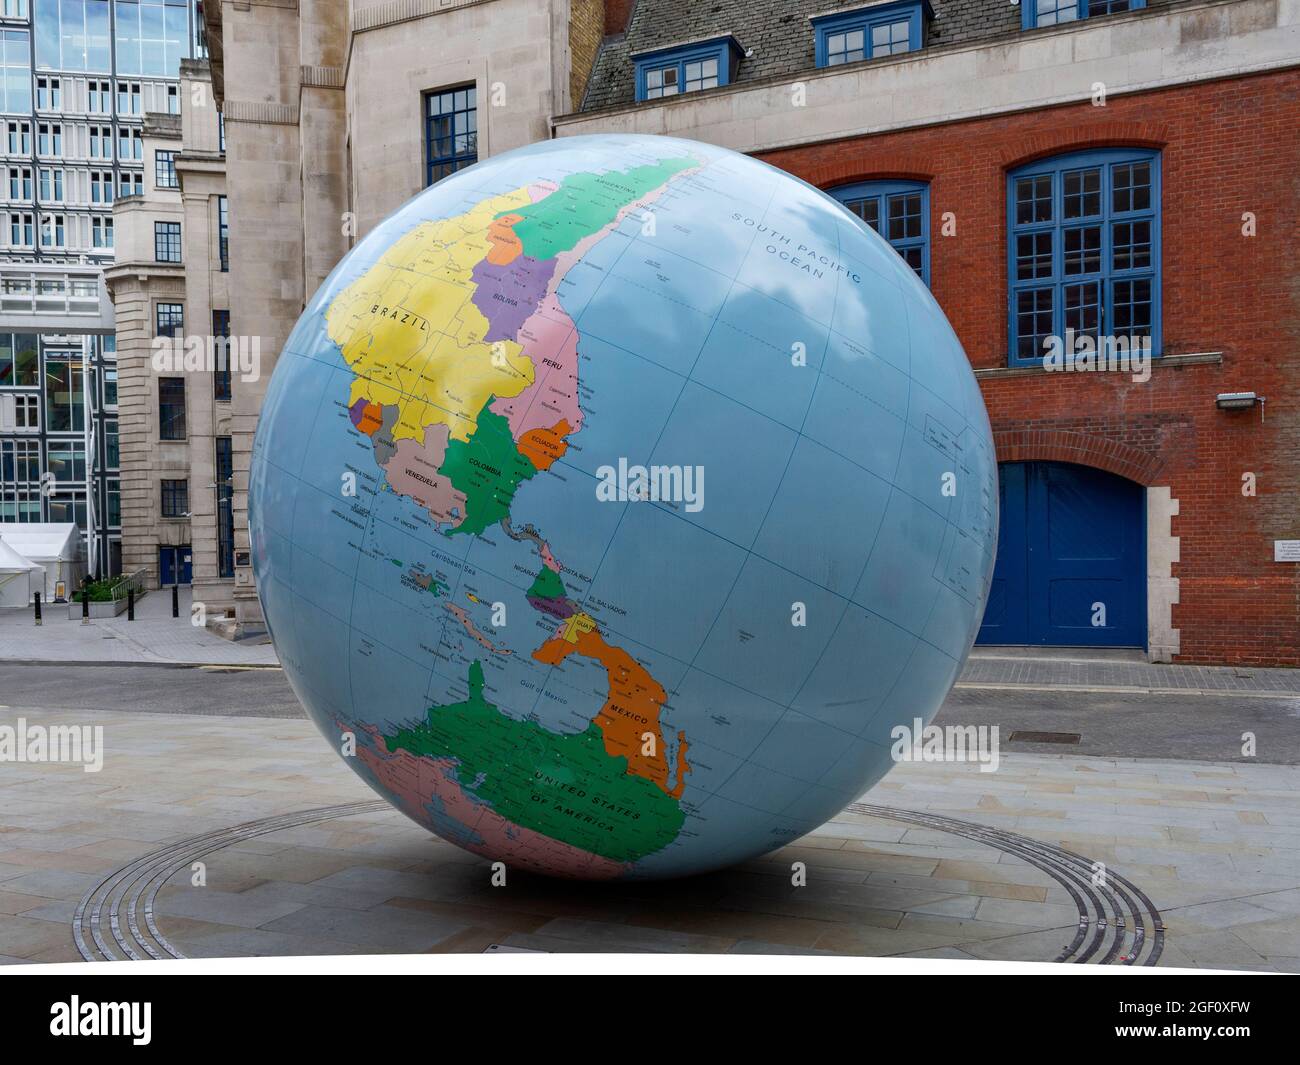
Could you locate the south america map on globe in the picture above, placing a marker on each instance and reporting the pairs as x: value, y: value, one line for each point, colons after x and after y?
x: 510, y: 653
x: 467, y: 364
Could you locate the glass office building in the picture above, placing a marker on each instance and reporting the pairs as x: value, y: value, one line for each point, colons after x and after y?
x: 76, y: 79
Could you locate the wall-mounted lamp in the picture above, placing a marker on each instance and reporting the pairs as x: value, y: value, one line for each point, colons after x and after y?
x: 1240, y: 401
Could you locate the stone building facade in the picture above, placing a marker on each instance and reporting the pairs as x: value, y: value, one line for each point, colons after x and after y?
x: 176, y: 381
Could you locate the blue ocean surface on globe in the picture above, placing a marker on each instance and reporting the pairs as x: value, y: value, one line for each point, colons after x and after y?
x: 613, y: 501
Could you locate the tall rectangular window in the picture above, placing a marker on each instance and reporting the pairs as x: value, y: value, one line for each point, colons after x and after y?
x: 131, y: 184
x: 112, y: 450
x: 101, y: 142
x: 99, y: 97
x: 21, y: 230
x: 101, y: 232
x: 15, y: 72
x: 171, y: 408
x: 1084, y: 259
x: 20, y: 480
x: 27, y: 412
x: 20, y: 138
x: 49, y: 138
x: 450, y: 131
x: 225, y: 508
x: 128, y: 97
x: 113, y: 494
x: 164, y: 170
x: 20, y: 183
x: 130, y: 143
x: 175, y: 498
x: 169, y: 320
x: 20, y: 364
x: 49, y: 94
x: 51, y: 185
x: 52, y: 231
x: 167, y: 242
x: 223, y: 232
x: 101, y: 186
x: 64, y: 402
x: 220, y: 343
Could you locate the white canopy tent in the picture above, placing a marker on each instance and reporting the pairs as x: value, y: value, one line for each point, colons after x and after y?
x: 56, y: 547
x: 19, y: 577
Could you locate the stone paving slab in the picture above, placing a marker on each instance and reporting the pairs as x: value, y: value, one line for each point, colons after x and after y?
x: 1220, y: 860
x: 153, y: 637
x: 992, y: 666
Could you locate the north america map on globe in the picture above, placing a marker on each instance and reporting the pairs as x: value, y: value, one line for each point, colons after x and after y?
x: 602, y: 684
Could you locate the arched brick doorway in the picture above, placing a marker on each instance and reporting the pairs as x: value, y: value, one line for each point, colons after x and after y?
x: 1071, y: 566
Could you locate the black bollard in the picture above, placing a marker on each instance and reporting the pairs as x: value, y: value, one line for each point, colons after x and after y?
x: 37, y: 601
x: 176, y: 600
x: 85, y: 601
x: 130, y: 603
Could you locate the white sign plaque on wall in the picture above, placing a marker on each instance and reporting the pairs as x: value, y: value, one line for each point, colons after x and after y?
x: 1286, y: 550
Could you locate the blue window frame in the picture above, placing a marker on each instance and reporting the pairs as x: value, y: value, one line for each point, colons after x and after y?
x: 1053, y: 12
x: 899, y: 211
x: 870, y: 32
x: 450, y: 131
x: 686, y: 68
x: 1083, y: 249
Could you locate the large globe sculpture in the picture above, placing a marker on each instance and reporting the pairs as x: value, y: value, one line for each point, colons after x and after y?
x: 614, y: 500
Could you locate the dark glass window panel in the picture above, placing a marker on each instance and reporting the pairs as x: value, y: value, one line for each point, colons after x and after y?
x: 1081, y: 253
x: 1034, y: 199
x: 1033, y: 256
x: 1033, y: 321
x: 905, y: 216
x: 1081, y: 193
x: 1131, y: 245
x: 1131, y: 187
x: 171, y: 408
x: 1082, y: 307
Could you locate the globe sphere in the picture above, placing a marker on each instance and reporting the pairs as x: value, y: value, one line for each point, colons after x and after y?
x: 615, y: 502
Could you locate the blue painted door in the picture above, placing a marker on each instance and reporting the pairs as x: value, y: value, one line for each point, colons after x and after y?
x: 1071, y: 559
x: 174, y: 562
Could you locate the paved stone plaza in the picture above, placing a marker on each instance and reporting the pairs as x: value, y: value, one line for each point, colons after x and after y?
x: 154, y: 637
x: 1213, y: 849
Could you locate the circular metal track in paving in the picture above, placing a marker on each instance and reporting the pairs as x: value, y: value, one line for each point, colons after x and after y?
x: 1117, y: 922
x: 1114, y: 913
x: 131, y: 890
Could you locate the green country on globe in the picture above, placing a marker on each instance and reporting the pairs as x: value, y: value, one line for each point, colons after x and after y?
x: 613, y: 501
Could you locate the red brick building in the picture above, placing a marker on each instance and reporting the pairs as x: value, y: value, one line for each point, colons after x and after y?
x: 1124, y: 169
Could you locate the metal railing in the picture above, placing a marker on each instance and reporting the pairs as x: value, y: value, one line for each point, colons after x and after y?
x: 137, y: 581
